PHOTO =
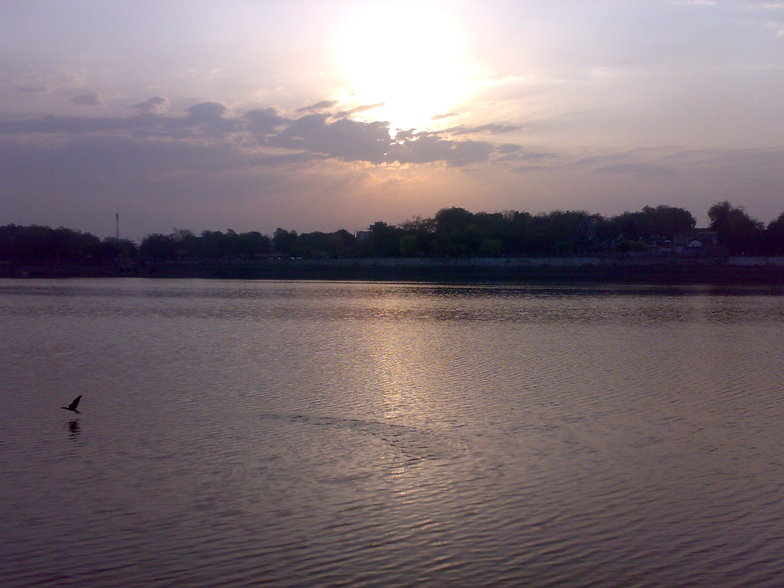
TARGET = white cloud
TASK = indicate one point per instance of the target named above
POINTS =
(777, 27)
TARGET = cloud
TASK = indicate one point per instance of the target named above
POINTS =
(491, 129)
(89, 99)
(521, 169)
(534, 160)
(638, 169)
(443, 116)
(778, 27)
(316, 135)
(359, 109)
(32, 89)
(370, 142)
(263, 121)
(41, 82)
(693, 2)
(69, 125)
(206, 111)
(318, 106)
(343, 139)
(154, 105)
(99, 165)
(82, 182)
(428, 148)
(662, 161)
(205, 119)
(509, 148)
(765, 6)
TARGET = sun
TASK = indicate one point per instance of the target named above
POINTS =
(410, 57)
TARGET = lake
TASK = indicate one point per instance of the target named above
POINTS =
(244, 433)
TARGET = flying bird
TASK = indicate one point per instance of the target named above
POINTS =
(73, 405)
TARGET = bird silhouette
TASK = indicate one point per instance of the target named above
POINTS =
(73, 405)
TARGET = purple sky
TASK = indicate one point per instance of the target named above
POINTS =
(320, 115)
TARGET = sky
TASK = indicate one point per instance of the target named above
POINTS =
(328, 114)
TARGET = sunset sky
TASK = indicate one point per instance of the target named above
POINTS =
(328, 114)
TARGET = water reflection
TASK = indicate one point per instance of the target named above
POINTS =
(73, 429)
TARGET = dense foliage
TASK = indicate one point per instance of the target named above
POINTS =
(452, 232)
(37, 244)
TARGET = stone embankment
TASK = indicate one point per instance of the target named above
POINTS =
(617, 269)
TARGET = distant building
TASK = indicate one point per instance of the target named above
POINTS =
(697, 242)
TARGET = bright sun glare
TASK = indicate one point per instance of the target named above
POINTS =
(409, 56)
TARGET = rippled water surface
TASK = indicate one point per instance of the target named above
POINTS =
(313, 434)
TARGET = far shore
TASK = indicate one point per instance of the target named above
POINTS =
(584, 269)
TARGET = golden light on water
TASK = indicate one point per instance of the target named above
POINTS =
(412, 59)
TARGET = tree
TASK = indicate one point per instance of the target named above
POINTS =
(423, 230)
(410, 246)
(251, 243)
(449, 220)
(490, 247)
(662, 221)
(554, 233)
(341, 243)
(774, 236)
(736, 229)
(113, 248)
(158, 247)
(384, 240)
(285, 241)
(42, 244)
(518, 240)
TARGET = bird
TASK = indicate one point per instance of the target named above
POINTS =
(73, 405)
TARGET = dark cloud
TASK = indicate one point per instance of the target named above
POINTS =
(343, 139)
(405, 135)
(317, 135)
(532, 160)
(351, 140)
(488, 129)
(152, 105)
(509, 148)
(263, 121)
(537, 156)
(318, 106)
(206, 111)
(521, 169)
(428, 148)
(32, 89)
(148, 166)
(89, 99)
(81, 183)
(63, 124)
(638, 169)
(203, 120)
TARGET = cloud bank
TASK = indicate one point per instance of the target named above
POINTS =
(307, 133)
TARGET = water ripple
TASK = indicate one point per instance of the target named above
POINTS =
(361, 434)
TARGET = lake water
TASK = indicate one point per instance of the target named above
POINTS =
(381, 434)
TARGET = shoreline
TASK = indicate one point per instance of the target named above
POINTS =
(622, 270)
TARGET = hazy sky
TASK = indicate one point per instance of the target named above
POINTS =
(320, 115)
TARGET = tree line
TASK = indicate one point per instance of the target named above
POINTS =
(452, 232)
